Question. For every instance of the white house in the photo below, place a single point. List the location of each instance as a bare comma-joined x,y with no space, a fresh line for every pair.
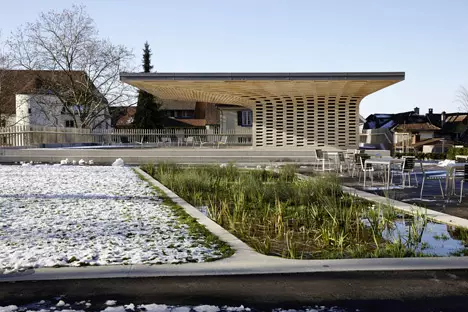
24,101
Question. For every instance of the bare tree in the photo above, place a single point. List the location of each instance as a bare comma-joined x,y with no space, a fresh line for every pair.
85,68
462,98
7,112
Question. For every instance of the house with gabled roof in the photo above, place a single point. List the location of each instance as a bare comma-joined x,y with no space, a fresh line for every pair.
26,99
412,131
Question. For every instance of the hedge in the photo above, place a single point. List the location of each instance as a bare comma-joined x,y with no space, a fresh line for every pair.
452,152
422,156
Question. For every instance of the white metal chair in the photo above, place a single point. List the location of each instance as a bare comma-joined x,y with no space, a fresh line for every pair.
200,141
365,168
223,140
406,169
190,140
166,141
462,182
432,177
322,160
343,163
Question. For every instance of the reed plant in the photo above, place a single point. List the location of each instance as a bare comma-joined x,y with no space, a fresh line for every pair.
277,213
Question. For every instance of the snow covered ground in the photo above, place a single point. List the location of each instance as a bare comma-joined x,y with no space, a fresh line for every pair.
82,215
112,306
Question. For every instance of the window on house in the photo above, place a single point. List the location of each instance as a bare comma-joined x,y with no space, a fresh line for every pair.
186,114
244,118
69,123
180,113
29,110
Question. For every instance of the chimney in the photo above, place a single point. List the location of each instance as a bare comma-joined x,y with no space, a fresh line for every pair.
430,111
442,118
416,110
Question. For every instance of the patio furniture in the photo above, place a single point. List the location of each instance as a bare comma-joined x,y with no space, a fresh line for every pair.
124,140
223,140
458,171
322,159
432,177
462,182
366,167
451,175
406,169
200,141
385,162
343,162
461,158
190,140
166,141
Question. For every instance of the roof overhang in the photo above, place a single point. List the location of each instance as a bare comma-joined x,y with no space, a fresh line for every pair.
249,88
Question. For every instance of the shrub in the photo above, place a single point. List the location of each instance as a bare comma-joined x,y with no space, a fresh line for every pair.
452,152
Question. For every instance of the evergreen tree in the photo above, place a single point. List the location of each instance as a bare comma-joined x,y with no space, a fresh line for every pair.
148,114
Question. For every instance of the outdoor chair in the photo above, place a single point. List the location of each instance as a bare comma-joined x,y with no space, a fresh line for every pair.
462,182
189,140
201,141
223,140
427,176
457,173
356,164
124,140
322,160
343,163
365,168
406,170
166,141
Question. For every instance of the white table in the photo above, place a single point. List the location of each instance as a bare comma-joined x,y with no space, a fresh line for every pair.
450,176
384,161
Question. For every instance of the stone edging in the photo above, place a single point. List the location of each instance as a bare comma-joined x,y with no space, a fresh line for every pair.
235,243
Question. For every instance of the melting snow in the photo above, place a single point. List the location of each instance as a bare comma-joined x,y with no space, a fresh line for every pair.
153,307
75,216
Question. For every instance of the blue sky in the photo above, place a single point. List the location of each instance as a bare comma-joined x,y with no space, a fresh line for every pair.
426,39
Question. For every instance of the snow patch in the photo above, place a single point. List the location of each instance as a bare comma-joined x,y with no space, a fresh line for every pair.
110,302
206,308
9,308
445,163
118,162
61,303
114,309
77,216
153,307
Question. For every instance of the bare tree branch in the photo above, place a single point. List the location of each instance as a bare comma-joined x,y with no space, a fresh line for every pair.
462,98
87,81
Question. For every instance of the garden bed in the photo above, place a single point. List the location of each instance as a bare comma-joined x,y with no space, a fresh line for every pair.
54,216
279,214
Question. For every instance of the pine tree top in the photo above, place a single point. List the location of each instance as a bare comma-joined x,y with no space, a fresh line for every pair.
147,58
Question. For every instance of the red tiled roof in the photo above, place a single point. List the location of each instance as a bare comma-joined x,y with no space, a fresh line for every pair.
425,126
193,122
29,82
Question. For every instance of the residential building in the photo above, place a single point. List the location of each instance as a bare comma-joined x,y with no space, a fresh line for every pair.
25,100
412,131
176,114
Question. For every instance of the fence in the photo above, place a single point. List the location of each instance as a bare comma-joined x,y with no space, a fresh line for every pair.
37,135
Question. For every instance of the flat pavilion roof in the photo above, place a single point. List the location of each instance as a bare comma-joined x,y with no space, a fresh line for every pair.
248,88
